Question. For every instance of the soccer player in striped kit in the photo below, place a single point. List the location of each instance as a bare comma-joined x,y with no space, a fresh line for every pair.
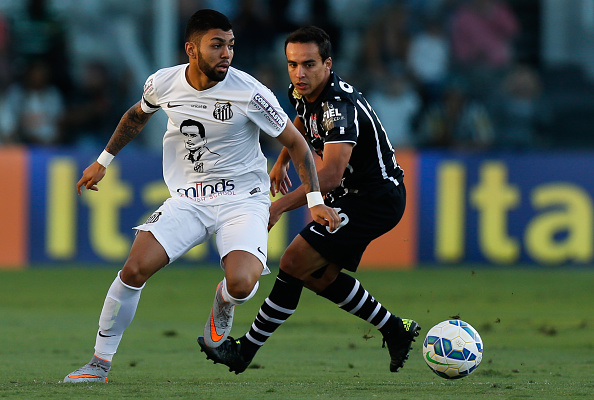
361,180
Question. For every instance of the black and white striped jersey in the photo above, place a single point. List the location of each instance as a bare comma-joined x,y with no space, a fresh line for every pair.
341,114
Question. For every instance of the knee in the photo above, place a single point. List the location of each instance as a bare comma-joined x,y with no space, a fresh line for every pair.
240,290
289,263
133,273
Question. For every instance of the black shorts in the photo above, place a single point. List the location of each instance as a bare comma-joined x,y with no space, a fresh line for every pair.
364,218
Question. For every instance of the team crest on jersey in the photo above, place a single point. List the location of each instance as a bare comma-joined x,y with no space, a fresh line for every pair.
222,111
313,125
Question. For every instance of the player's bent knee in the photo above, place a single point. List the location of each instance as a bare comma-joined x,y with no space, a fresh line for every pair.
240,292
290,264
133,274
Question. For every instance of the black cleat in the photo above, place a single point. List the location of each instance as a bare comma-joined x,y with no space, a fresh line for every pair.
227,353
400,343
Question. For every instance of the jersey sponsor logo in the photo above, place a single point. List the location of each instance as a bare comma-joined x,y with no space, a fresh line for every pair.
222,111
202,191
148,87
271,113
154,217
296,94
333,115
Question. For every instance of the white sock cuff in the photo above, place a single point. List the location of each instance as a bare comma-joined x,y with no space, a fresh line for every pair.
233,300
128,286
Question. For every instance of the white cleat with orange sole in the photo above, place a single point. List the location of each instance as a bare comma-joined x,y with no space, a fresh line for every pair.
92,372
220,321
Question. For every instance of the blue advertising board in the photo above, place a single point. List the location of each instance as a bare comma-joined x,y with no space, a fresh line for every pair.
506,208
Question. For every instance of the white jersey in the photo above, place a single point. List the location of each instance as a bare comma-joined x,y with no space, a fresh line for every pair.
211,149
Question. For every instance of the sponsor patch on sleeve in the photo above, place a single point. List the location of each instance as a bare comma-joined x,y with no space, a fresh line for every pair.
271,114
148,95
148,87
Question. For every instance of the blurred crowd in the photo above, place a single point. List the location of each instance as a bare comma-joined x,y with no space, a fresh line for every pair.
439,73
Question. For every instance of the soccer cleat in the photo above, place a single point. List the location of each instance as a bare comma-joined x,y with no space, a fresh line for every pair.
94,371
227,353
219,323
400,343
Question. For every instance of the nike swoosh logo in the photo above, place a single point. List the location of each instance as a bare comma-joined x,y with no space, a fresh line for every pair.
261,251
311,228
102,335
169,105
432,360
213,330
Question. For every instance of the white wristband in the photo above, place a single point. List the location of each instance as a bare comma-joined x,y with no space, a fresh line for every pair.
314,199
105,158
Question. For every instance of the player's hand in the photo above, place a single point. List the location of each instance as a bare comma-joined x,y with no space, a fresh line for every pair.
325,215
279,179
90,177
275,214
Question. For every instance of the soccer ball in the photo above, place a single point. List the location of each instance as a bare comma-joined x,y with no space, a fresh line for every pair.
453,349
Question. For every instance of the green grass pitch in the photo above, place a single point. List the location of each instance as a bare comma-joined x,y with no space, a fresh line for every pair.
537,325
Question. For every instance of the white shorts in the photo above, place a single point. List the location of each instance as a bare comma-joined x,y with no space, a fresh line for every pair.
180,224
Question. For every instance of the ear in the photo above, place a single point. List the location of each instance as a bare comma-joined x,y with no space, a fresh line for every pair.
191,49
328,63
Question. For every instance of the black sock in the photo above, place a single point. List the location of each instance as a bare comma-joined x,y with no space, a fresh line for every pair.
278,306
348,293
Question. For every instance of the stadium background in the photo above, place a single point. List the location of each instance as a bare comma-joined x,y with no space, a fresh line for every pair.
514,187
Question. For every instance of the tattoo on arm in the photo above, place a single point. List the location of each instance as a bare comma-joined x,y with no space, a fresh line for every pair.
308,174
128,128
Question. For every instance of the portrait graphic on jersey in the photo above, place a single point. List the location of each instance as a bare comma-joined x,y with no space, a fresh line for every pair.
195,141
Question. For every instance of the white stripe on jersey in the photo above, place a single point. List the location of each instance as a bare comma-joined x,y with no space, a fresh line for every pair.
377,147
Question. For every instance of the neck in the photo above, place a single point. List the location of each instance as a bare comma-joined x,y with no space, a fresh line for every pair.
197,79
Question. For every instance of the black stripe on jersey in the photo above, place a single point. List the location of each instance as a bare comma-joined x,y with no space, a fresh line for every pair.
149,104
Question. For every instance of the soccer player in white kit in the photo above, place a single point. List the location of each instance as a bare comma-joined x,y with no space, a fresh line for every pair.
217,177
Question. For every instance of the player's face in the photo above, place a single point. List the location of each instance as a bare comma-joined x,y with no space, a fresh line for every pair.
192,138
215,53
308,72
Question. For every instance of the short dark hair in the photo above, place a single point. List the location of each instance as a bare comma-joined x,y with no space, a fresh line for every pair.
191,122
204,20
312,34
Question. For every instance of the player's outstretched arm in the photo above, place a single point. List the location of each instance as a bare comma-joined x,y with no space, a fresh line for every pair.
130,125
299,151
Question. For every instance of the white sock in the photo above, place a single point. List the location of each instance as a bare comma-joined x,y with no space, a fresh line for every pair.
230,299
117,314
